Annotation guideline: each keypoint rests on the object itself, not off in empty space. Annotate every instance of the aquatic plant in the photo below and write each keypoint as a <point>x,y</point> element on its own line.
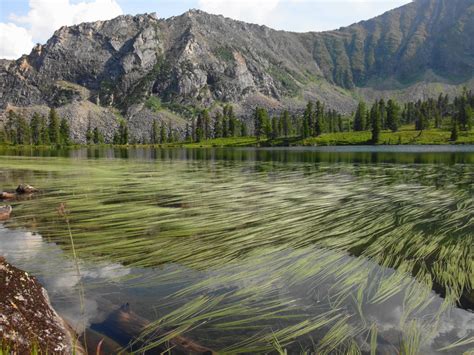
<point>270,256</point>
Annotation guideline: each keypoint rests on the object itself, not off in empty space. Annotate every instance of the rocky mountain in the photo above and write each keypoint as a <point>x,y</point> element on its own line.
<point>120,68</point>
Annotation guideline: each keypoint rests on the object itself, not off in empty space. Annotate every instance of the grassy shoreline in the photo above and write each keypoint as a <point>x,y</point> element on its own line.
<point>402,137</point>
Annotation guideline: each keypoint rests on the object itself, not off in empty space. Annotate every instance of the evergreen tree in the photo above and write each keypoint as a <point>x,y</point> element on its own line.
<point>89,134</point>
<point>340,124</point>
<point>44,132</point>
<point>200,128</point>
<point>171,136</point>
<point>308,120</point>
<point>375,119</point>
<point>206,122</point>
<point>163,133</point>
<point>421,114</point>
<point>225,126</point>
<point>64,132</point>
<point>274,133</point>
<point>319,119</point>
<point>243,130</point>
<point>383,114</point>
<point>261,122</point>
<point>10,127</point>
<point>154,139</point>
<point>193,130</point>
<point>187,136</point>
<point>218,125</point>
<point>393,115</point>
<point>22,131</point>
<point>360,117</point>
<point>97,136</point>
<point>286,123</point>
<point>54,135</point>
<point>454,131</point>
<point>123,136</point>
<point>35,128</point>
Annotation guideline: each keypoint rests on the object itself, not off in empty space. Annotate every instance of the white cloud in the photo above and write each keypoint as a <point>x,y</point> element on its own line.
<point>246,10</point>
<point>300,15</point>
<point>14,41</point>
<point>46,16</point>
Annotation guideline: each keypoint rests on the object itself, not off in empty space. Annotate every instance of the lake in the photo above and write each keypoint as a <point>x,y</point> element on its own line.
<point>328,250</point>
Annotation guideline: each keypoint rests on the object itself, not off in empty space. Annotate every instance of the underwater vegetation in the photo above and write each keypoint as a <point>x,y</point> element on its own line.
<point>266,256</point>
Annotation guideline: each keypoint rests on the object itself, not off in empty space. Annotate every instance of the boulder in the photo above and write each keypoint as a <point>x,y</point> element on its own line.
<point>28,323</point>
<point>5,212</point>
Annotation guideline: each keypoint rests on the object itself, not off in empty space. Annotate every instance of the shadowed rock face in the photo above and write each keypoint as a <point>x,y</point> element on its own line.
<point>198,58</point>
<point>27,320</point>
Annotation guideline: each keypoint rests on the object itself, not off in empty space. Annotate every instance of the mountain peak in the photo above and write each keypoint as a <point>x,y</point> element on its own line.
<point>197,59</point>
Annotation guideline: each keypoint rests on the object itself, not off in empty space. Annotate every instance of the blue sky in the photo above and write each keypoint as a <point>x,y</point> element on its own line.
<point>26,22</point>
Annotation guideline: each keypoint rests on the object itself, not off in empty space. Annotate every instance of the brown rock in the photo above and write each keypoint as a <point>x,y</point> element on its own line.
<point>5,212</point>
<point>25,189</point>
<point>27,320</point>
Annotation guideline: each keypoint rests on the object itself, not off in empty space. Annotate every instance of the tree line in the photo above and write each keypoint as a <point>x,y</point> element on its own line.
<point>40,130</point>
<point>456,115</point>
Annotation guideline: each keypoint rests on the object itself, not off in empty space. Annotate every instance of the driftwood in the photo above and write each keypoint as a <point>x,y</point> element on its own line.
<point>125,326</point>
<point>5,212</point>
<point>99,344</point>
<point>21,190</point>
<point>25,189</point>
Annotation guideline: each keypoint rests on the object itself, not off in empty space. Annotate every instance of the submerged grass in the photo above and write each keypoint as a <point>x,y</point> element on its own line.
<point>290,257</point>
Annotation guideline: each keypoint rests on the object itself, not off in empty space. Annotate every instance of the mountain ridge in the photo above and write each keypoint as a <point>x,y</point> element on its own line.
<point>201,60</point>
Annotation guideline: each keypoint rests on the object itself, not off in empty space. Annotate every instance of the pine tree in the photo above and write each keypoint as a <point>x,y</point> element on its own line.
<point>200,128</point>
<point>261,122</point>
<point>22,131</point>
<point>10,127</point>
<point>44,132</point>
<point>163,133</point>
<point>123,136</point>
<point>286,123</point>
<point>243,130</point>
<point>393,115</point>
<point>218,125</point>
<point>154,132</point>
<point>53,127</point>
<point>308,120</point>
<point>206,123</point>
<point>376,123</point>
<point>454,131</point>
<point>193,129</point>
<point>35,128</point>
<point>64,132</point>
<point>360,117</point>
<point>89,134</point>
<point>97,136</point>
<point>383,114</point>
<point>171,135</point>
<point>319,120</point>
<point>274,134</point>
<point>187,135</point>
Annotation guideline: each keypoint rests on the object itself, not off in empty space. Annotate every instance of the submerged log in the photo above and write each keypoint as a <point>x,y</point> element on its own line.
<point>125,326</point>
<point>99,344</point>
<point>5,212</point>
<point>7,196</point>
<point>28,323</point>
<point>21,191</point>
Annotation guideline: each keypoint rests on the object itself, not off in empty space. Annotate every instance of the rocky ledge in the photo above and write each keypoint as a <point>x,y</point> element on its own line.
<point>27,320</point>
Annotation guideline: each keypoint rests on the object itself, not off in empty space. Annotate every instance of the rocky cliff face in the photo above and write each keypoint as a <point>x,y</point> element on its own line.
<point>198,59</point>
